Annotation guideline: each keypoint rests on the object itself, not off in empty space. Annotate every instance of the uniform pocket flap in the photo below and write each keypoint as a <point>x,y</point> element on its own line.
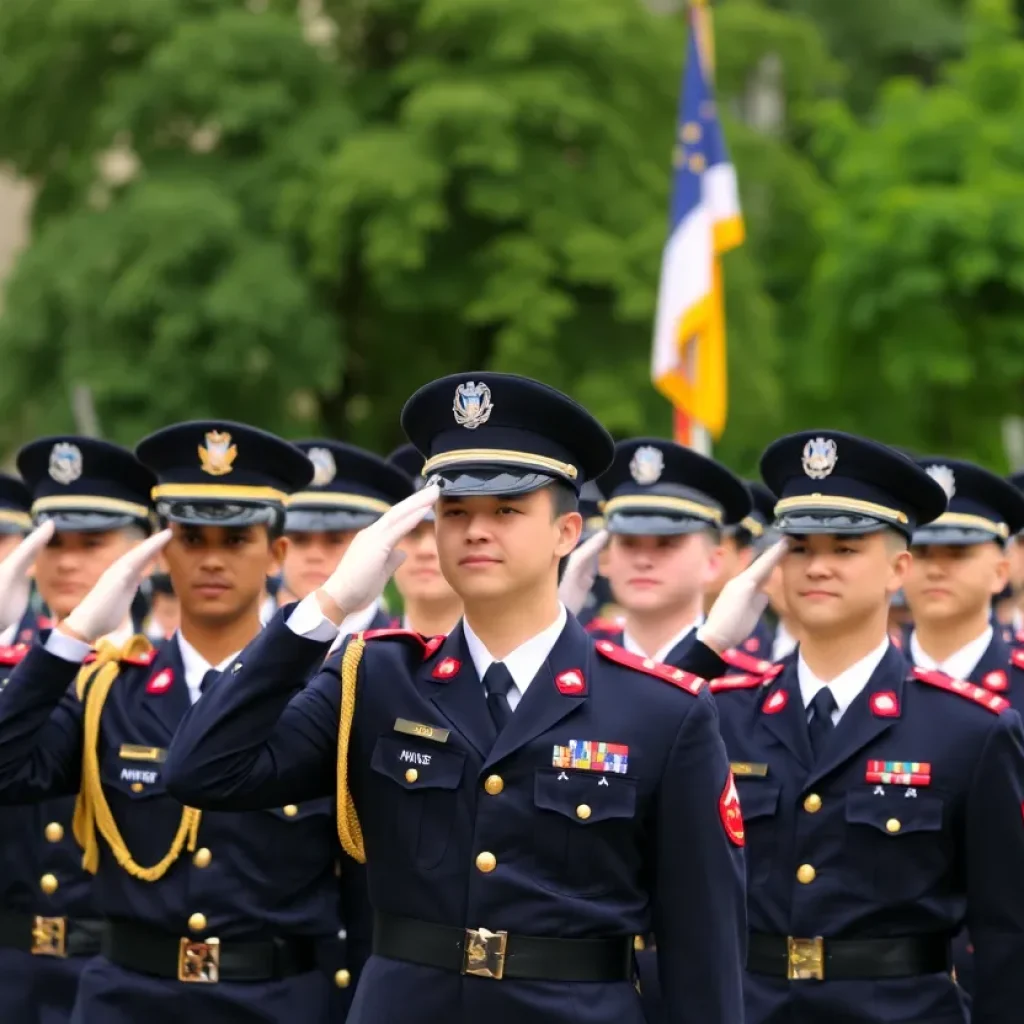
<point>585,797</point>
<point>415,765</point>
<point>895,817</point>
<point>758,798</point>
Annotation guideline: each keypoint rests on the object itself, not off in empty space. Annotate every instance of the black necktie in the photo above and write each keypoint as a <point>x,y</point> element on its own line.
<point>207,679</point>
<point>497,683</point>
<point>820,726</point>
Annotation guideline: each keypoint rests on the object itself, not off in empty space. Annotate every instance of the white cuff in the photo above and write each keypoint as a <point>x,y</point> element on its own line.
<point>67,647</point>
<point>309,621</point>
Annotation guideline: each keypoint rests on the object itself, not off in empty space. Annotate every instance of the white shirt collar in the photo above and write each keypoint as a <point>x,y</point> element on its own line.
<point>524,662</point>
<point>783,644</point>
<point>846,686</point>
<point>660,655</point>
<point>196,666</point>
<point>960,664</point>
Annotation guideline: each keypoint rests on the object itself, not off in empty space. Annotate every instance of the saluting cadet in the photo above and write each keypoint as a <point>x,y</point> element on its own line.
<point>881,802</point>
<point>666,509</point>
<point>350,489</point>
<point>429,605</point>
<point>527,800</point>
<point>213,917</point>
<point>95,498</point>
<point>1016,554</point>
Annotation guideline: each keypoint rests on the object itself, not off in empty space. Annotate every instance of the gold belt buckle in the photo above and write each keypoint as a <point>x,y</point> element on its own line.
<point>806,959</point>
<point>484,953</point>
<point>49,936</point>
<point>199,962</point>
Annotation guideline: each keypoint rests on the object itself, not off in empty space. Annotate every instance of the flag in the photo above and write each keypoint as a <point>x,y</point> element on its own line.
<point>688,359</point>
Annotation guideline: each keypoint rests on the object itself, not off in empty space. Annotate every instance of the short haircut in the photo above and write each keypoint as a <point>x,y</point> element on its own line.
<point>896,541</point>
<point>563,499</point>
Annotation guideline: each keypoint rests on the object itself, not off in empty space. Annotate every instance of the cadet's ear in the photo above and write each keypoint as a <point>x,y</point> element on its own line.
<point>278,549</point>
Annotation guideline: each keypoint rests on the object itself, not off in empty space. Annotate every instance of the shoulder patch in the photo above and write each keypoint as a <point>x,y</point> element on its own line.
<point>428,644</point>
<point>1017,658</point>
<point>745,662</point>
<point>139,658</point>
<point>666,673</point>
<point>735,683</point>
<point>603,626</point>
<point>977,694</point>
<point>12,654</point>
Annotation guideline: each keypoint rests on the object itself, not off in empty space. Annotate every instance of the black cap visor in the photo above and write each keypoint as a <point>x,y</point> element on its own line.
<point>651,523</point>
<point>479,483</point>
<point>801,524</point>
<point>209,513</point>
<point>85,521</point>
<point>954,536</point>
<point>327,520</point>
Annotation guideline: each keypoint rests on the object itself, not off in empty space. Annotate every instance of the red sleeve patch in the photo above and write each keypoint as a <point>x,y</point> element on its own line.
<point>745,662</point>
<point>978,694</point>
<point>12,654</point>
<point>676,676</point>
<point>731,813</point>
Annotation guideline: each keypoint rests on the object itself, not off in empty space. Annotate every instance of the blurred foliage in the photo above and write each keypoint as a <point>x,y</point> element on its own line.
<point>296,213</point>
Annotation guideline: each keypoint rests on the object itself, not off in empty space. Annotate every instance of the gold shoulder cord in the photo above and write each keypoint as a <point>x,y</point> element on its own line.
<point>92,812</point>
<point>350,832</point>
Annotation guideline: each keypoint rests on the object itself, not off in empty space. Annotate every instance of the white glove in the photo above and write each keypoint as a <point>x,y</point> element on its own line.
<point>15,584</point>
<point>580,572</point>
<point>371,558</point>
<point>734,616</point>
<point>107,605</point>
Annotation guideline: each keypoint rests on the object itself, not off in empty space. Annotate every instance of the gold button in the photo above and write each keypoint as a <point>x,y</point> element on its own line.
<point>812,804</point>
<point>197,923</point>
<point>805,874</point>
<point>411,775</point>
<point>486,862</point>
<point>137,787</point>
<point>54,832</point>
<point>202,858</point>
<point>583,812</point>
<point>291,810</point>
<point>49,884</point>
<point>892,825</point>
<point>342,979</point>
<point>638,943</point>
<point>494,784</point>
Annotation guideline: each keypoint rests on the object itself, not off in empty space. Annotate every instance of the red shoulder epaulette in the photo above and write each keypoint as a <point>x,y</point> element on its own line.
<point>603,626</point>
<point>1017,658</point>
<point>745,662</point>
<point>666,673</point>
<point>429,643</point>
<point>142,658</point>
<point>735,683</point>
<point>12,654</point>
<point>978,694</point>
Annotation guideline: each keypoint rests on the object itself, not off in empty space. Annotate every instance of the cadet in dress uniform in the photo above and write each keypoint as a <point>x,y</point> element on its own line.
<point>97,496</point>
<point>429,605</point>
<point>666,508</point>
<point>523,794</point>
<point>755,532</point>
<point>1016,584</point>
<point>212,917</point>
<point>350,489</point>
<point>881,802</point>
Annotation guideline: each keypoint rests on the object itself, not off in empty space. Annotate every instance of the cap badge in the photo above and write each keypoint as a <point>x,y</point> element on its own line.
<point>65,462</point>
<point>472,405</point>
<point>820,457</point>
<point>324,465</point>
<point>944,477</point>
<point>217,454</point>
<point>647,464</point>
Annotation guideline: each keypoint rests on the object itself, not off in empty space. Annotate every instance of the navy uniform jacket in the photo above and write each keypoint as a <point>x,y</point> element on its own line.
<point>887,860</point>
<point>254,875</point>
<point>35,842</point>
<point>653,852</point>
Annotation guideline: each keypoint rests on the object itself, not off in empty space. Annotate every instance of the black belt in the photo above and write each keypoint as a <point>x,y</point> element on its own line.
<point>848,959</point>
<point>497,955</point>
<point>147,951</point>
<point>49,936</point>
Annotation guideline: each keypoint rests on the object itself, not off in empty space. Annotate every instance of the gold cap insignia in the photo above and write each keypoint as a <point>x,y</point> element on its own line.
<point>217,455</point>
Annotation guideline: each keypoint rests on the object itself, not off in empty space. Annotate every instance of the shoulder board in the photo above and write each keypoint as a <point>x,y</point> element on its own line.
<point>12,654</point>
<point>429,644</point>
<point>745,662</point>
<point>976,694</point>
<point>736,683</point>
<point>603,626</point>
<point>666,673</point>
<point>1017,658</point>
<point>140,658</point>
